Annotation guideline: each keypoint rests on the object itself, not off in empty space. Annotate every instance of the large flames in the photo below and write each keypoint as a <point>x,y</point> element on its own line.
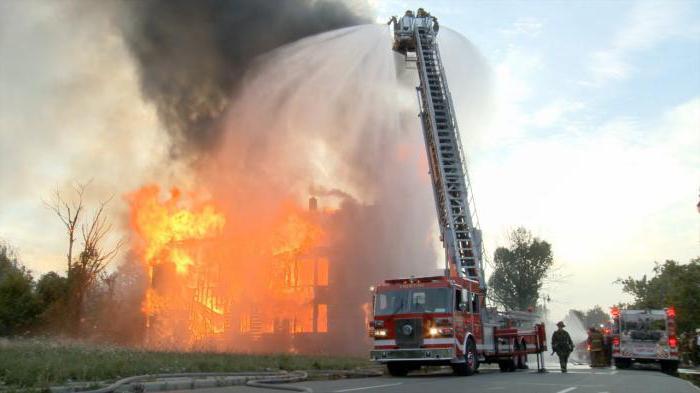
<point>217,280</point>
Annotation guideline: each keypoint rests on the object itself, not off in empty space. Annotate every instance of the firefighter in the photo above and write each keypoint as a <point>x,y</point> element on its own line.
<point>562,345</point>
<point>685,343</point>
<point>607,347</point>
<point>695,349</point>
<point>595,343</point>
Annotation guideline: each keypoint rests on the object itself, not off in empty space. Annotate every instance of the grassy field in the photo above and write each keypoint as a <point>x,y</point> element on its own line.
<point>43,363</point>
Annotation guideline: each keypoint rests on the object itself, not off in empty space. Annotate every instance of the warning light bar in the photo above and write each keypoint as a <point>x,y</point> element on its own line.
<point>615,312</point>
<point>671,312</point>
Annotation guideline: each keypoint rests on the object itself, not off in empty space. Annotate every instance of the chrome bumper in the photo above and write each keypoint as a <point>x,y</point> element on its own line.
<point>387,355</point>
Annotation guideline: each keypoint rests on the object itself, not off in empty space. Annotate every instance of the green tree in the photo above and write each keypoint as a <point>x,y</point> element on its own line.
<point>593,317</point>
<point>520,270</point>
<point>51,288</point>
<point>19,306</point>
<point>673,284</point>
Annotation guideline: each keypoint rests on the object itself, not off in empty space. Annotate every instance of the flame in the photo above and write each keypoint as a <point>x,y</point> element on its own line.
<point>216,276</point>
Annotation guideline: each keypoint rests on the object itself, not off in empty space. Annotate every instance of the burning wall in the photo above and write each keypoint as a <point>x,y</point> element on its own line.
<point>216,281</point>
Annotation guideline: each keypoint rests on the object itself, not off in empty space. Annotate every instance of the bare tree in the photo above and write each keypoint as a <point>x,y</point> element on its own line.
<point>69,213</point>
<point>95,255</point>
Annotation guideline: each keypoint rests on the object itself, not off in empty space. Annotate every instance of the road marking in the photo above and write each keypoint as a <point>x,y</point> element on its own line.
<point>367,387</point>
<point>568,389</point>
<point>613,372</point>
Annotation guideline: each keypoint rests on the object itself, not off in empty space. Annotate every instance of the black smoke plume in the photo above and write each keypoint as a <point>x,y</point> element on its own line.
<point>193,55</point>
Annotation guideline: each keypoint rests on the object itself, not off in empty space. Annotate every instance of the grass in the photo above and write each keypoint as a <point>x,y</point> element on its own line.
<point>40,363</point>
<point>693,378</point>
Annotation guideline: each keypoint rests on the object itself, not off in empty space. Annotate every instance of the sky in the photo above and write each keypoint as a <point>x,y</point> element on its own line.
<point>593,143</point>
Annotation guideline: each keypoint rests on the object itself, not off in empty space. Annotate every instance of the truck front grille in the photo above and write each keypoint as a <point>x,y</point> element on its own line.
<point>409,333</point>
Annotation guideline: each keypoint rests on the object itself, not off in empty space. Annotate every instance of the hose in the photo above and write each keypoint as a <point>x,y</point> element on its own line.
<point>260,379</point>
<point>272,377</point>
<point>269,383</point>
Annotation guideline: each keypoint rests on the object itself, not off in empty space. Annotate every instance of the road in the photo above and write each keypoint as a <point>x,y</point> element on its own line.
<point>579,379</point>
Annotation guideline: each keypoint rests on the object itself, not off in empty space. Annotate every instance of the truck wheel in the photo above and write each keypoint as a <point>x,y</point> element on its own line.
<point>622,363</point>
<point>507,365</point>
<point>471,362</point>
<point>669,366</point>
<point>397,369</point>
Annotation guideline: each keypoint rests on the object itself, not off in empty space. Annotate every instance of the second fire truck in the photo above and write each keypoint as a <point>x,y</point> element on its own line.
<point>443,320</point>
<point>645,336</point>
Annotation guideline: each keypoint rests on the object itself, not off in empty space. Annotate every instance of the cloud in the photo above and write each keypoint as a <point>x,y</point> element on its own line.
<point>648,25</point>
<point>612,199</point>
<point>524,26</point>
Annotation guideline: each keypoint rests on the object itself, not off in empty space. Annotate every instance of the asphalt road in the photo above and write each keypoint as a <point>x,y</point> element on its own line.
<point>579,379</point>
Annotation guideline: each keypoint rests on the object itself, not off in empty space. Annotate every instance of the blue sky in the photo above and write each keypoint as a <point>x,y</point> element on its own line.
<point>595,141</point>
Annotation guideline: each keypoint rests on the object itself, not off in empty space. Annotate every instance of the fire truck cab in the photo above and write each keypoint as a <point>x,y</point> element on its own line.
<point>442,321</point>
<point>645,336</point>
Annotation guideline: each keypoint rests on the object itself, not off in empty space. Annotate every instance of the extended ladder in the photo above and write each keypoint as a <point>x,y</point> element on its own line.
<point>459,230</point>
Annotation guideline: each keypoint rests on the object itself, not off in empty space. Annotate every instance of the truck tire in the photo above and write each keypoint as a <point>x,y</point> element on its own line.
<point>507,365</point>
<point>623,363</point>
<point>669,366</point>
<point>397,369</point>
<point>471,361</point>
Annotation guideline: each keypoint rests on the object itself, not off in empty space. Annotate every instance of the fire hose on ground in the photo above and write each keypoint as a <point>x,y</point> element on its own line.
<point>262,379</point>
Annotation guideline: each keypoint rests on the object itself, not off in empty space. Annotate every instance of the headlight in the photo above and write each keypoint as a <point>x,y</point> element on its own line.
<point>380,333</point>
<point>436,331</point>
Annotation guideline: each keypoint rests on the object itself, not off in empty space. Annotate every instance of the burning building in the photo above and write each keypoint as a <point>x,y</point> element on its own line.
<point>210,288</point>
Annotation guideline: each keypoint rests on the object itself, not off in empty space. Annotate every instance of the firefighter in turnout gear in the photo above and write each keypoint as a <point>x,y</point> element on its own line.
<point>562,345</point>
<point>595,343</point>
<point>684,345</point>
<point>695,348</point>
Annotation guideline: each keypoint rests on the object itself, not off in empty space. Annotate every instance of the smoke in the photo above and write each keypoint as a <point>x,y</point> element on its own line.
<point>274,111</point>
<point>335,115</point>
<point>193,55</point>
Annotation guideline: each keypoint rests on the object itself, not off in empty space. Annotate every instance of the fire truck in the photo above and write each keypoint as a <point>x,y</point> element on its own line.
<point>443,320</point>
<point>645,336</point>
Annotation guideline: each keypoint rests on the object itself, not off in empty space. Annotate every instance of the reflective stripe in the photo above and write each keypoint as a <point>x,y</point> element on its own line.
<point>384,342</point>
<point>439,341</point>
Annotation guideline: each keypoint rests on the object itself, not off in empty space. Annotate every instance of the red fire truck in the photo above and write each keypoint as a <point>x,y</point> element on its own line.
<point>443,320</point>
<point>645,336</point>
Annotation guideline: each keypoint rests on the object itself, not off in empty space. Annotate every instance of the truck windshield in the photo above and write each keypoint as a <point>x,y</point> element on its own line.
<point>417,300</point>
<point>644,328</point>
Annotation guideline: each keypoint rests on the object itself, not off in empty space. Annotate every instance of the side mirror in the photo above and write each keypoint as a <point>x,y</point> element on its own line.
<point>462,306</point>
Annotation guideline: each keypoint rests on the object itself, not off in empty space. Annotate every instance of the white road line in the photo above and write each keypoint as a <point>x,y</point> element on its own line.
<point>568,389</point>
<point>613,372</point>
<point>367,387</point>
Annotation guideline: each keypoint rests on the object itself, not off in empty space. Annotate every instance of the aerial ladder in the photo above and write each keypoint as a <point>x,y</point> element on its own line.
<point>454,201</point>
<point>444,320</point>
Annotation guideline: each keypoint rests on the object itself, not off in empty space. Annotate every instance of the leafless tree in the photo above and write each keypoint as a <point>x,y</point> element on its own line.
<point>69,213</point>
<point>95,255</point>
